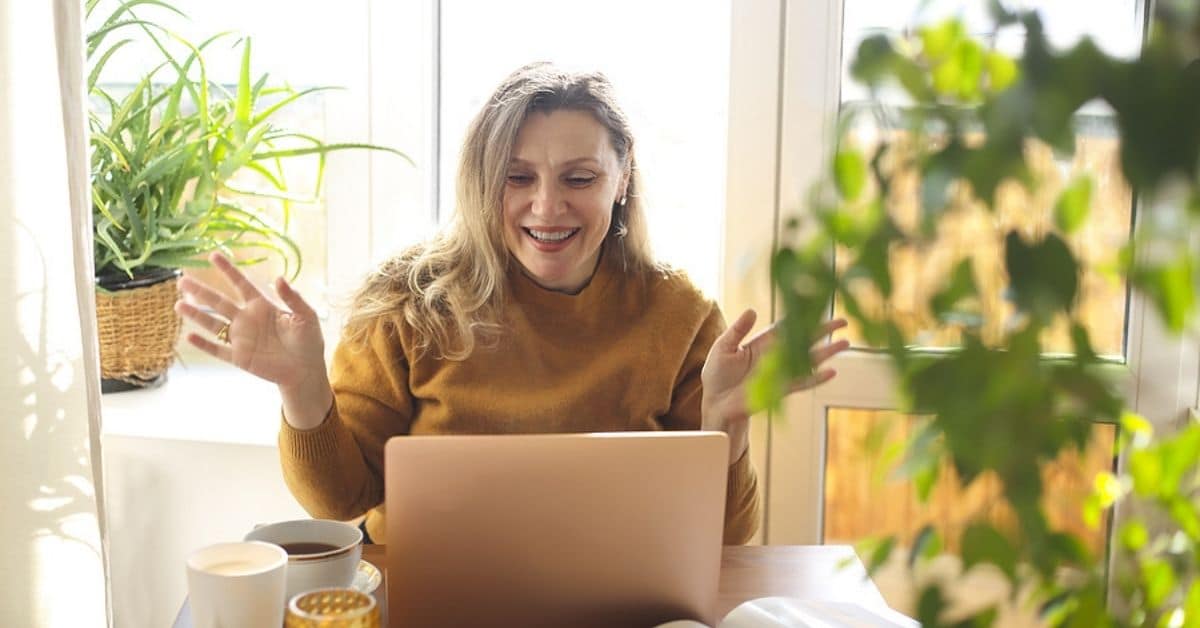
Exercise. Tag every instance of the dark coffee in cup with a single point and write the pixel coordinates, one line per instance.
(321, 554)
(307, 548)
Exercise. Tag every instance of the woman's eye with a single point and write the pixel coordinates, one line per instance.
(519, 179)
(580, 180)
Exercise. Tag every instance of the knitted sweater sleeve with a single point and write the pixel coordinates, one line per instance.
(335, 470)
(741, 493)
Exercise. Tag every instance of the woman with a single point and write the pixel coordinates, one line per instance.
(539, 309)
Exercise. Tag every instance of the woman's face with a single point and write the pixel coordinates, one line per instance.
(562, 182)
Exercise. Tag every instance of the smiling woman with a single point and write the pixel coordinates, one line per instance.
(565, 182)
(538, 309)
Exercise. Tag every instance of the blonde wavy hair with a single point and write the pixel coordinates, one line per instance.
(451, 289)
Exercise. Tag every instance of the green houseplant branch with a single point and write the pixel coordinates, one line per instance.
(997, 403)
(164, 154)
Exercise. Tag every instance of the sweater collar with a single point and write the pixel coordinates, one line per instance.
(527, 292)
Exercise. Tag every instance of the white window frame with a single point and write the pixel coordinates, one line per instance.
(786, 72)
(373, 197)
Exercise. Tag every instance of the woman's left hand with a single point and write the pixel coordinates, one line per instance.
(730, 362)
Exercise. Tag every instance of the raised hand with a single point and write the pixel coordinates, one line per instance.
(279, 344)
(730, 361)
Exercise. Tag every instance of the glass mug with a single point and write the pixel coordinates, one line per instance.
(332, 608)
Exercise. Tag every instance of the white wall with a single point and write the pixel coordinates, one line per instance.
(51, 565)
(167, 497)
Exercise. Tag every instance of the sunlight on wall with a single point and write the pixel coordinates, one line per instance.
(53, 573)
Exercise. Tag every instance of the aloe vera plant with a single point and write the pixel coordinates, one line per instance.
(165, 153)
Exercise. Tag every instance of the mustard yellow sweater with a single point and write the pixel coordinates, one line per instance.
(623, 354)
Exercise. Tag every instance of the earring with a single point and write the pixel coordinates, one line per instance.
(622, 201)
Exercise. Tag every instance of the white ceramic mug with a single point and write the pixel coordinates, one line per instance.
(237, 585)
(334, 567)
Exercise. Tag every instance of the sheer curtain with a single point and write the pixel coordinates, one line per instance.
(51, 549)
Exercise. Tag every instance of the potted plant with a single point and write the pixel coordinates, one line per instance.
(997, 404)
(163, 159)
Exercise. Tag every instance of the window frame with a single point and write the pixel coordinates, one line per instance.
(1161, 373)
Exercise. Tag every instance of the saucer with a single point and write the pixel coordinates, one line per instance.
(366, 578)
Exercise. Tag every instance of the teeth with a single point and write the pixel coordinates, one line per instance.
(551, 236)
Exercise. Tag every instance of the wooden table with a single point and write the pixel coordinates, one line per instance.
(826, 572)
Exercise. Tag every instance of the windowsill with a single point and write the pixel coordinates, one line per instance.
(207, 402)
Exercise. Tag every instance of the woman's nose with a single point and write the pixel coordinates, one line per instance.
(546, 199)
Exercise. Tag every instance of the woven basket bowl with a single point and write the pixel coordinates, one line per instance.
(138, 329)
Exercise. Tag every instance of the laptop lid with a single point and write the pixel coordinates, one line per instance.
(609, 529)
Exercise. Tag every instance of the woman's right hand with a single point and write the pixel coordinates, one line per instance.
(264, 339)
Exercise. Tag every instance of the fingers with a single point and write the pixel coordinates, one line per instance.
(202, 318)
(812, 381)
(731, 338)
(221, 351)
(766, 337)
(208, 296)
(293, 300)
(243, 285)
(824, 352)
(830, 326)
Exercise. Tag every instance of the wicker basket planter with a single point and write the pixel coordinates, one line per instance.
(138, 328)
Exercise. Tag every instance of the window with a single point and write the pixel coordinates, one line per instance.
(863, 499)
(369, 203)
(819, 476)
(1116, 26)
(676, 96)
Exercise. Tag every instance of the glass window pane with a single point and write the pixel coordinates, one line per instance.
(978, 233)
(863, 498)
(676, 96)
(283, 49)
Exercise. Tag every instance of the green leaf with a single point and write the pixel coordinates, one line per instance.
(1073, 204)
(95, 38)
(1137, 425)
(982, 543)
(98, 66)
(1002, 70)
(938, 41)
(1044, 276)
(873, 62)
(1067, 549)
(1134, 535)
(1146, 470)
(245, 99)
(1092, 511)
(930, 605)
(766, 388)
(850, 173)
(1158, 581)
(1178, 456)
(1172, 289)
(924, 479)
(1081, 344)
(961, 286)
(1183, 514)
(970, 60)
(879, 550)
(1108, 488)
(1191, 604)
(927, 545)
(293, 97)
(328, 148)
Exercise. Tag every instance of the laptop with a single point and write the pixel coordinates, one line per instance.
(608, 529)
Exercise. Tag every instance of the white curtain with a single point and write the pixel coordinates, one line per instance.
(52, 557)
